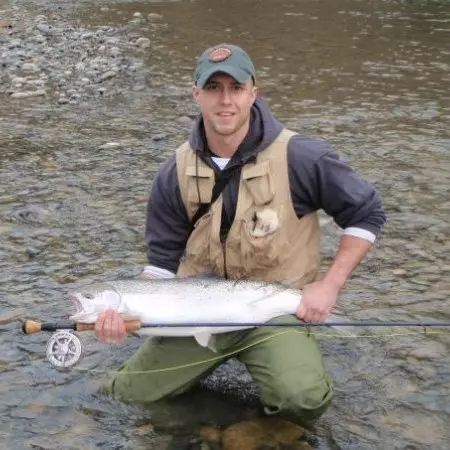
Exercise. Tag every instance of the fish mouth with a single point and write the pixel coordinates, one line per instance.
(76, 300)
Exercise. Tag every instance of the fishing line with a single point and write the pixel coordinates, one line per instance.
(253, 344)
(64, 349)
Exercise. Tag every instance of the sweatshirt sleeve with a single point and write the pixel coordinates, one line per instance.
(167, 225)
(319, 179)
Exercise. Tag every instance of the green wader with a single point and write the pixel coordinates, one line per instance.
(286, 364)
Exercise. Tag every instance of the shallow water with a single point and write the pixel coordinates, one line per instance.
(372, 77)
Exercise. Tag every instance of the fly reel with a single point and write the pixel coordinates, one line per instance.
(64, 349)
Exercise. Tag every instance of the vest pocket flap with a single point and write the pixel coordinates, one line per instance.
(199, 186)
(259, 170)
(200, 172)
(258, 181)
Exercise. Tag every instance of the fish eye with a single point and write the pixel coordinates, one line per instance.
(88, 296)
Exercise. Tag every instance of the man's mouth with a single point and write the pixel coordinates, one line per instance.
(77, 302)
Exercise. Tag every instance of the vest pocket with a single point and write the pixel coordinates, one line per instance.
(197, 247)
(259, 183)
(264, 244)
(200, 184)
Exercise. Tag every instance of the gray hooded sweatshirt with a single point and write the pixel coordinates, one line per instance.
(318, 180)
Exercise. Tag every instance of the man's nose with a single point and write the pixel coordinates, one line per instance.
(226, 96)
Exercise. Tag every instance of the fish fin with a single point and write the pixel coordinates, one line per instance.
(202, 337)
(212, 343)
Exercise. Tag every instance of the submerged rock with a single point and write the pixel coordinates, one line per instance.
(258, 434)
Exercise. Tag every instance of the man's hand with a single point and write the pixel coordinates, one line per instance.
(320, 297)
(318, 300)
(110, 327)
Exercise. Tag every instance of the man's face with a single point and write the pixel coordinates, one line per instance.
(225, 103)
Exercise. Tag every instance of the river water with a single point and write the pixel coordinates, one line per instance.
(372, 77)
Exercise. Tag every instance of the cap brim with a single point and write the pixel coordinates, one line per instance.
(239, 75)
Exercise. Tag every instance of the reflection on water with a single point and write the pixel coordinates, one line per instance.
(372, 77)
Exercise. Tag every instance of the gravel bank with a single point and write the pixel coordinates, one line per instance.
(46, 57)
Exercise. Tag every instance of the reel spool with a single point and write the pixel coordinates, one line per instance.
(64, 349)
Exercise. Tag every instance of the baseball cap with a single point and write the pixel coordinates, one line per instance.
(226, 58)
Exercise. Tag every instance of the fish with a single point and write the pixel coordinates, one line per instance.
(191, 300)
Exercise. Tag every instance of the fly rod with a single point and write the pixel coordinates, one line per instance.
(64, 348)
(31, 327)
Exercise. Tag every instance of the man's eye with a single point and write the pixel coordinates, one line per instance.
(211, 87)
(88, 296)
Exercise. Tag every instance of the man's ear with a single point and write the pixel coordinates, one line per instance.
(255, 92)
(195, 92)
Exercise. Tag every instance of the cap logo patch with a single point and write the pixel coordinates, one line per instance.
(219, 54)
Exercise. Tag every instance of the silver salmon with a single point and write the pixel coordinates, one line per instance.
(188, 301)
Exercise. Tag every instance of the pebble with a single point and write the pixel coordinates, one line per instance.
(109, 145)
(185, 121)
(107, 75)
(51, 54)
(26, 94)
(11, 316)
(29, 67)
(154, 16)
(46, 30)
(159, 137)
(143, 42)
(399, 272)
(18, 80)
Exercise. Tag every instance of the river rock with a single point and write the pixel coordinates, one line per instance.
(264, 433)
(143, 42)
(75, 59)
(46, 30)
(154, 16)
(26, 94)
(159, 137)
(12, 316)
(107, 75)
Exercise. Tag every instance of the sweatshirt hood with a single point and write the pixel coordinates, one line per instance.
(264, 128)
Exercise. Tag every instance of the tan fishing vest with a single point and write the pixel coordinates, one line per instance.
(266, 241)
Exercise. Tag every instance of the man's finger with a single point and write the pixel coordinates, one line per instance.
(307, 315)
(113, 327)
(316, 317)
(117, 329)
(99, 325)
(123, 330)
(300, 313)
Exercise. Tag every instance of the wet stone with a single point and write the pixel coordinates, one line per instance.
(399, 272)
(143, 42)
(429, 351)
(11, 316)
(159, 137)
(262, 433)
(75, 54)
(107, 75)
(29, 67)
(28, 94)
(46, 30)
